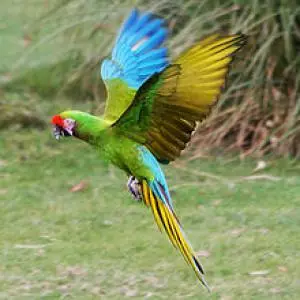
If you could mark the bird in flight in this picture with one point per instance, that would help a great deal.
(153, 106)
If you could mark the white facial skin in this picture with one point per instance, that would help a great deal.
(69, 125)
(68, 128)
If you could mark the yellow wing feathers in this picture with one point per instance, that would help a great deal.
(166, 220)
(204, 68)
(187, 91)
(166, 109)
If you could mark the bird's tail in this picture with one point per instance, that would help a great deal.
(157, 198)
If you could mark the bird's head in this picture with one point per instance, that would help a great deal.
(77, 123)
(68, 123)
(63, 126)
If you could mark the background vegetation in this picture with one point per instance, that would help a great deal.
(68, 225)
(64, 41)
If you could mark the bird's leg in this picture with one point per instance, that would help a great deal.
(134, 188)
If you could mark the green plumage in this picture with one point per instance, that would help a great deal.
(117, 90)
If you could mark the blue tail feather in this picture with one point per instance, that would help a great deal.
(158, 184)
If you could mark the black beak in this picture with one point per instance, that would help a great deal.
(57, 132)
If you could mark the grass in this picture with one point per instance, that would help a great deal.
(98, 242)
(57, 47)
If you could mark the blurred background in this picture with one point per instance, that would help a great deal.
(69, 228)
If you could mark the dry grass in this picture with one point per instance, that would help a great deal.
(69, 228)
(258, 112)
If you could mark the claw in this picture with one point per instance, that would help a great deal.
(134, 188)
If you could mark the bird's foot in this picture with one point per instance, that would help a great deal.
(134, 188)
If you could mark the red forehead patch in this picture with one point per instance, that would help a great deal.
(57, 120)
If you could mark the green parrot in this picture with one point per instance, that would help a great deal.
(152, 109)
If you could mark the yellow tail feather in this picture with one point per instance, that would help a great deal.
(166, 219)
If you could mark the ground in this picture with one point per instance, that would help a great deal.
(70, 229)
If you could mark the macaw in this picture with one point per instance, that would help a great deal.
(152, 109)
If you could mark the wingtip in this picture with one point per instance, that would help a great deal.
(134, 12)
(241, 39)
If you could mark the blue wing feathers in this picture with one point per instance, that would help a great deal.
(153, 55)
(151, 28)
(109, 69)
(153, 42)
(147, 70)
(159, 63)
(142, 27)
(138, 52)
(132, 18)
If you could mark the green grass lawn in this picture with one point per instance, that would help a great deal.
(99, 243)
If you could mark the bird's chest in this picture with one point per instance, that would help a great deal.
(122, 153)
(126, 155)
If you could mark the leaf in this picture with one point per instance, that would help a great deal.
(81, 186)
(3, 163)
(3, 192)
(19, 246)
(270, 123)
(282, 269)
(261, 164)
(275, 290)
(259, 177)
(259, 273)
(203, 253)
(40, 252)
(5, 78)
(96, 290)
(107, 222)
(217, 202)
(263, 230)
(71, 271)
(27, 39)
(237, 231)
(129, 292)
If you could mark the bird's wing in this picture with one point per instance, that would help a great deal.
(166, 108)
(155, 194)
(137, 54)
